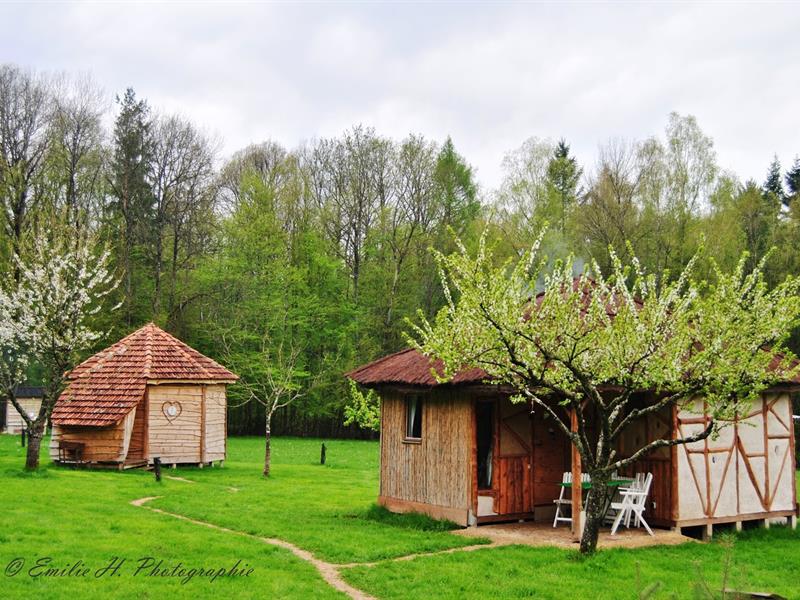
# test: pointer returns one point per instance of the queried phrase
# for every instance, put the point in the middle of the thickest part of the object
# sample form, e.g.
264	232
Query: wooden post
577	488
793	522
322	454
202	424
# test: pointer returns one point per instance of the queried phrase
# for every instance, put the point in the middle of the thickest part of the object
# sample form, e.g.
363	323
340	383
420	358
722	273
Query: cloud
490	76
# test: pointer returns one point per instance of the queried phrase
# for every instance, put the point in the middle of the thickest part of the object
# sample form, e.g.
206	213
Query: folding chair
633	503
563	499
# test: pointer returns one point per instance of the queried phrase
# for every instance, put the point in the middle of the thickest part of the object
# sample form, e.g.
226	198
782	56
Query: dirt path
329	571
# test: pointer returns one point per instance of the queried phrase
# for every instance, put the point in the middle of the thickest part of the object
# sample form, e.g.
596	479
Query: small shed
30	399
463	451
147	396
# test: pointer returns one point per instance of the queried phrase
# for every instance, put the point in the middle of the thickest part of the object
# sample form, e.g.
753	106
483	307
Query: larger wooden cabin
463	451
147	396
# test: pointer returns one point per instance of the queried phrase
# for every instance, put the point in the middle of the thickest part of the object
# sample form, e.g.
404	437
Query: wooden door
514	435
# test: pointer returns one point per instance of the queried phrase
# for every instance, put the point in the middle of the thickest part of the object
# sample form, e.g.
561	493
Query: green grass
72	515
762	560
324	509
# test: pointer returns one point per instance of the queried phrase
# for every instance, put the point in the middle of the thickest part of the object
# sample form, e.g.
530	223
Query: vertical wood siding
216	407
436	470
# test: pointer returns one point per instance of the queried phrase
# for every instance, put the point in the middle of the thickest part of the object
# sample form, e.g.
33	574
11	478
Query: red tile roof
409	367
104	388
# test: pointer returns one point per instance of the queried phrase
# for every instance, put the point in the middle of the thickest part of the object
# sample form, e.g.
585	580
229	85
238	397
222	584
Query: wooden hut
147	396
30	399
463	451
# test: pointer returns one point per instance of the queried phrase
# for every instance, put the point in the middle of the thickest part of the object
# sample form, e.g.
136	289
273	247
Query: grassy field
68	516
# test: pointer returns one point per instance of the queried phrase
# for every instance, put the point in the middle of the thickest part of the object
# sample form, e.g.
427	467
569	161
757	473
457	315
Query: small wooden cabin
147	396
463	451
30	399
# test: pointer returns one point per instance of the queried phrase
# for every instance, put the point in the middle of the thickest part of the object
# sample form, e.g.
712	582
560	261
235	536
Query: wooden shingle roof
105	387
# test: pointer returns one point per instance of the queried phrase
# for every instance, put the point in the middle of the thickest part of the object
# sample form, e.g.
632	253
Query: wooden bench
70	451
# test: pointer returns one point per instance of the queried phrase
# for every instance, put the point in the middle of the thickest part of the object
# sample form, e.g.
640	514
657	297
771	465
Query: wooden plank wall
659	463
14	422
551	458
103	444
216	408
136	443
436	470
514	454
175	440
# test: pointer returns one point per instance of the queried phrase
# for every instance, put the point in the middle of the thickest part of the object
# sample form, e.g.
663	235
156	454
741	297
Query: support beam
577	488
738	526
708	532
793	522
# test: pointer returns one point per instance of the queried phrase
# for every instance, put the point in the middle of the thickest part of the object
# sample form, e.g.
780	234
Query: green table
613	483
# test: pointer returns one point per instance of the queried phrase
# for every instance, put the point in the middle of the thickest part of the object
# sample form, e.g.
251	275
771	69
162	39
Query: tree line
321	252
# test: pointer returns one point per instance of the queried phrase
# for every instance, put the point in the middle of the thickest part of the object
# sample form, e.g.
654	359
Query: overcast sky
488	75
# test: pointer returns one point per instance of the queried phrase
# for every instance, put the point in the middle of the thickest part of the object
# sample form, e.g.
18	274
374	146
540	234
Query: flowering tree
588	344
45	319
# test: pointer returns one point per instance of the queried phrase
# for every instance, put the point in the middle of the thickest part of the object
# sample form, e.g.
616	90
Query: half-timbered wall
433	473
746	471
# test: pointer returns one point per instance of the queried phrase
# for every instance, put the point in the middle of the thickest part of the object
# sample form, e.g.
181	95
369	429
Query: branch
656	444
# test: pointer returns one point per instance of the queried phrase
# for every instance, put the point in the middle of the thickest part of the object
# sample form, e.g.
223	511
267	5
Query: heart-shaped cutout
171	410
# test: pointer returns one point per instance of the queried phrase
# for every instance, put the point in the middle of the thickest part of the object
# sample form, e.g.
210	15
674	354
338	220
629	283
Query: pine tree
128	180
793	181
563	175
773	186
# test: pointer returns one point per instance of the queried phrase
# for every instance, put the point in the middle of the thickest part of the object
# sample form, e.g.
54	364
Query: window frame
419	405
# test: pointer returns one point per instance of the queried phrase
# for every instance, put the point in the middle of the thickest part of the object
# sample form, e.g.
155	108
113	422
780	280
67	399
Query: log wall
433	473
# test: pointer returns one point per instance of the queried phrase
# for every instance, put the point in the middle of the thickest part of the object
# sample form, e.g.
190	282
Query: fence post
157	467
322	454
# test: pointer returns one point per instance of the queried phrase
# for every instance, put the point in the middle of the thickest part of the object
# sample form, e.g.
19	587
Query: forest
301	263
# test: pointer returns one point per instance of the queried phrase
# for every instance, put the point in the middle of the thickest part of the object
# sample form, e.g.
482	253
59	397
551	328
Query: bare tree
76	160
25	116
351	184
413	209
181	173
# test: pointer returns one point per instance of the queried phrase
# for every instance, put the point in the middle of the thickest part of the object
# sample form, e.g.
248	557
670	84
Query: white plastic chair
633	503
564	500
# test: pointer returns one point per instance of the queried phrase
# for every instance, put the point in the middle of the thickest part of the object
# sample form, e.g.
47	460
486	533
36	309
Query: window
414	418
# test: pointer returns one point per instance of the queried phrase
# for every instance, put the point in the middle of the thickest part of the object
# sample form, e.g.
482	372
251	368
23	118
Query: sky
488	75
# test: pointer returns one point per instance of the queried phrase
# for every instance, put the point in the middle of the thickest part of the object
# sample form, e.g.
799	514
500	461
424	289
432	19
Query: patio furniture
564	500
633	503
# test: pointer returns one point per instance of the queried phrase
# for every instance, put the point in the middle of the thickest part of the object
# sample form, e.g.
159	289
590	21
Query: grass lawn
87	516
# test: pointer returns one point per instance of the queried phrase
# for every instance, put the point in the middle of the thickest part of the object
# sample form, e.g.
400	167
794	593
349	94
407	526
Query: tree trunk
595	512
35	435
267	438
